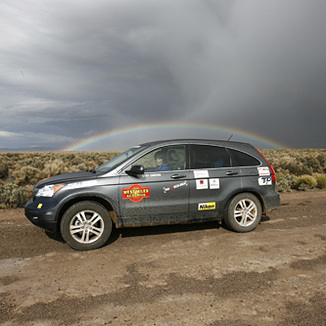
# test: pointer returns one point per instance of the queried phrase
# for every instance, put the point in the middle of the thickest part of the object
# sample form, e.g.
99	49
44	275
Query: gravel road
201	274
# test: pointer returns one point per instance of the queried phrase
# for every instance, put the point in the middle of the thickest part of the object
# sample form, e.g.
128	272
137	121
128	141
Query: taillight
271	168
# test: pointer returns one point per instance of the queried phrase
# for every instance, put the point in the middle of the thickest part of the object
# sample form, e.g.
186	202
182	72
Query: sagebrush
299	169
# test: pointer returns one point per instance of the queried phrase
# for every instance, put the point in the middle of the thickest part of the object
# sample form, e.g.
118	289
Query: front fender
109	202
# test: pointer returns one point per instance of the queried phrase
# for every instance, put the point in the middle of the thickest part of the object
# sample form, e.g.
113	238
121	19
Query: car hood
66	178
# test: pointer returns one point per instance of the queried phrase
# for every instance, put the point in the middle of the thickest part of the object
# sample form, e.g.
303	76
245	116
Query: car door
212	180
161	194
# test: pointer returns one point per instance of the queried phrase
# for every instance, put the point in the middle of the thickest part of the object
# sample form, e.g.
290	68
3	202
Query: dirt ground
201	274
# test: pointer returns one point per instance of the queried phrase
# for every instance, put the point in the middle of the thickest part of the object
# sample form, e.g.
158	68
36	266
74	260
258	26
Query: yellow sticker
206	206
39	206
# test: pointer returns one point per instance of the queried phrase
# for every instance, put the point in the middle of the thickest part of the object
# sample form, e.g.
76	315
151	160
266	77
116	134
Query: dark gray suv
162	182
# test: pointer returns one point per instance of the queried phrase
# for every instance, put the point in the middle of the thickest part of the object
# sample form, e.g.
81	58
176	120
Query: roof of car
198	141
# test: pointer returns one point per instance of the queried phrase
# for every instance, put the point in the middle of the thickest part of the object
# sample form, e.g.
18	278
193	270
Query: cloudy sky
72	70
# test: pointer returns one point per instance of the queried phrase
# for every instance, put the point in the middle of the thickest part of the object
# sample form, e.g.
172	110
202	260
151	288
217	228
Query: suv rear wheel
86	225
244	213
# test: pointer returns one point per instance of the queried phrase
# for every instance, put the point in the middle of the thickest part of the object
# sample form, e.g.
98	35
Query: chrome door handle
231	172
178	176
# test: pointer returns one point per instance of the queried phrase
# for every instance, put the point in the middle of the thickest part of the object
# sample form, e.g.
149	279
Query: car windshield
119	159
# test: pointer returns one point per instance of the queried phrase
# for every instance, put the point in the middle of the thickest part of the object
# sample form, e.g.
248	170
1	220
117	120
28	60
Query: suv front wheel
86	225
244	213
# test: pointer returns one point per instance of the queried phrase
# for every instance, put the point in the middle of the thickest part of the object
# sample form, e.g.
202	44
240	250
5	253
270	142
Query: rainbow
82	144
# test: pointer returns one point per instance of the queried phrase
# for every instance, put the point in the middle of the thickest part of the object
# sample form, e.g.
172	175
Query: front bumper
42	213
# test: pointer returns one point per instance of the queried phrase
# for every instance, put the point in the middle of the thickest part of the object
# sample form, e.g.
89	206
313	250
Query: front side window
167	158
207	157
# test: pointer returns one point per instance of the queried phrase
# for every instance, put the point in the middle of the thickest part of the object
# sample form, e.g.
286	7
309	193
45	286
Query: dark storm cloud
70	70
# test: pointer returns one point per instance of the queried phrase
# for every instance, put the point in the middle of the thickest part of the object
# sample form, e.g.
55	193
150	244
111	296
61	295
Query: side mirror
136	170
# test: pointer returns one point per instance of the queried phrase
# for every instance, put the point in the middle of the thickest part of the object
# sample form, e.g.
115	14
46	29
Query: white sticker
264	181
81	184
201	174
214	183
263	171
166	189
152	175
202	184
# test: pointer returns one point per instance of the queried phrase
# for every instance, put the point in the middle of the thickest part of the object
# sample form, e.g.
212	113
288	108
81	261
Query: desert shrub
26	175
289	165
305	182
322	160
55	167
77	160
310	164
297	161
38	163
86	166
285	182
321	180
12	196
4	170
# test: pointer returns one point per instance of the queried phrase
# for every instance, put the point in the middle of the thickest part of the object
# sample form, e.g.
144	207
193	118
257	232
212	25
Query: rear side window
207	157
243	159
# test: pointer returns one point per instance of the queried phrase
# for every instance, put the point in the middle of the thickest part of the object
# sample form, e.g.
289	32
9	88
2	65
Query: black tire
86	225
244	213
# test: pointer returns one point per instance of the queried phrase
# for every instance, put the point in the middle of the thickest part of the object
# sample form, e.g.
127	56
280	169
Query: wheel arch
251	191
89	197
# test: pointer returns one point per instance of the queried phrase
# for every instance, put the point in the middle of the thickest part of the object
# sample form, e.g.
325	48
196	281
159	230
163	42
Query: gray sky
71	70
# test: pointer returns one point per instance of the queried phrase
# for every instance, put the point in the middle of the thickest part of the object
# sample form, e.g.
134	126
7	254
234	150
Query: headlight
48	191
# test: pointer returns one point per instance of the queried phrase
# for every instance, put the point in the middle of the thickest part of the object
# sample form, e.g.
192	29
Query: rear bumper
272	202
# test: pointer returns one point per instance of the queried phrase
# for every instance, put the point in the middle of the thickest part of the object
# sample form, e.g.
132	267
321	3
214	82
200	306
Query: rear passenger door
212	180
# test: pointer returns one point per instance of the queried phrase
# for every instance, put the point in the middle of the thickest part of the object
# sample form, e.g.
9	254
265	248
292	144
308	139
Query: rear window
243	159
206	157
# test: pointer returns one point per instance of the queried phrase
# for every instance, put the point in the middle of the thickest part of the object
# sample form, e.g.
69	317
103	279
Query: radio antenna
230	137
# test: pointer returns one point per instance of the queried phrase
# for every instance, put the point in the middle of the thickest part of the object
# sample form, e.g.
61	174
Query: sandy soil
201	274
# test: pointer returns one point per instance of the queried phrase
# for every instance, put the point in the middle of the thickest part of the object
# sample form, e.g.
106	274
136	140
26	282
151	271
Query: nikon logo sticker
206	206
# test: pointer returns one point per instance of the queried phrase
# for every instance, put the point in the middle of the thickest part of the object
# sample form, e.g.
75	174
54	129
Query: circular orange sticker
135	193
